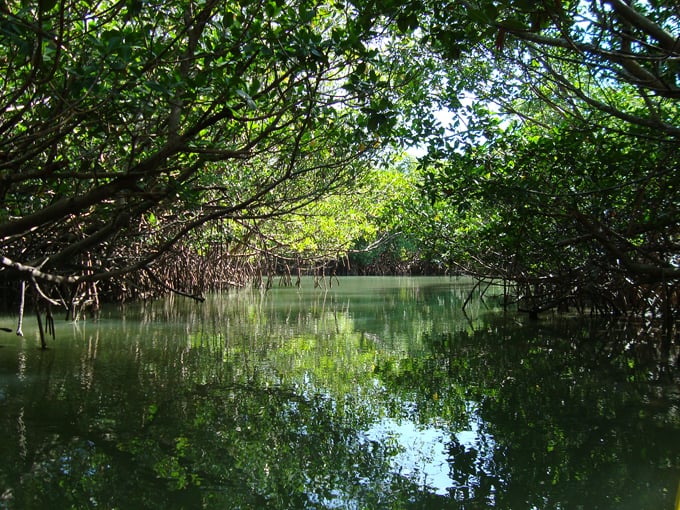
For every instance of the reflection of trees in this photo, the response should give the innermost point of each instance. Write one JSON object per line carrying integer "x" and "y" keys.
{"x": 555, "y": 414}
{"x": 161, "y": 424}
{"x": 576, "y": 419}
{"x": 258, "y": 404}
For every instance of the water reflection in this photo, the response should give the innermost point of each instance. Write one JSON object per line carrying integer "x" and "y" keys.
{"x": 378, "y": 393}
{"x": 422, "y": 455}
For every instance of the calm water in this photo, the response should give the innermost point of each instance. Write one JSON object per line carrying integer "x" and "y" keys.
{"x": 375, "y": 393}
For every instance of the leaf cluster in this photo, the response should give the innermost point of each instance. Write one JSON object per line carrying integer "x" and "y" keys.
{"x": 127, "y": 125}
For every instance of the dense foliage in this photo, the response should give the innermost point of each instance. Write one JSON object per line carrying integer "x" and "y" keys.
{"x": 191, "y": 145}
{"x": 132, "y": 129}
{"x": 558, "y": 170}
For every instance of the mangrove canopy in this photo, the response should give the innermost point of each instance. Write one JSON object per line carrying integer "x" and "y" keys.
{"x": 185, "y": 146}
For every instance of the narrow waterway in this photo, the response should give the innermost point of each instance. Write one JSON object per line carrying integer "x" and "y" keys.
{"x": 370, "y": 393}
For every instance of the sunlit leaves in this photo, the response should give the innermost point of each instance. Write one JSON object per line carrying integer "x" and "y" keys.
{"x": 186, "y": 113}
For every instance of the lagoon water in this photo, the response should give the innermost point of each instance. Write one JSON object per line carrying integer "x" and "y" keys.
{"x": 370, "y": 393}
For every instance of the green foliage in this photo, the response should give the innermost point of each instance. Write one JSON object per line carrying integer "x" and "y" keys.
{"x": 128, "y": 125}
{"x": 392, "y": 247}
{"x": 135, "y": 133}
{"x": 570, "y": 207}
{"x": 557, "y": 166}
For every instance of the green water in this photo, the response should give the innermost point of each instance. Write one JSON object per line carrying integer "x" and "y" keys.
{"x": 375, "y": 393}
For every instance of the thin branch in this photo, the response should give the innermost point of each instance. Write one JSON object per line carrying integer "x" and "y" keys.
{"x": 171, "y": 289}
{"x": 35, "y": 273}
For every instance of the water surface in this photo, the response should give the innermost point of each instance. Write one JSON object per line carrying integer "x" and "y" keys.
{"x": 373, "y": 393}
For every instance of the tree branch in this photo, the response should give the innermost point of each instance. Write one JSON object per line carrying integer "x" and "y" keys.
{"x": 665, "y": 39}
{"x": 35, "y": 273}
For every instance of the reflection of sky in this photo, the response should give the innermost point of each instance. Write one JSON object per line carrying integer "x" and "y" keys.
{"x": 422, "y": 457}
{"x": 424, "y": 451}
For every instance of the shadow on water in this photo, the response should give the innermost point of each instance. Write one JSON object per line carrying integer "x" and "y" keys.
{"x": 378, "y": 393}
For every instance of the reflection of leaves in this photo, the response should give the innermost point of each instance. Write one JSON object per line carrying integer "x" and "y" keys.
{"x": 553, "y": 405}
{"x": 543, "y": 413}
{"x": 426, "y": 383}
{"x": 243, "y": 445}
{"x": 557, "y": 401}
{"x": 281, "y": 444}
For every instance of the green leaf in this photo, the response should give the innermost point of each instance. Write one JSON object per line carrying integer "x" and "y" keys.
{"x": 249, "y": 100}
